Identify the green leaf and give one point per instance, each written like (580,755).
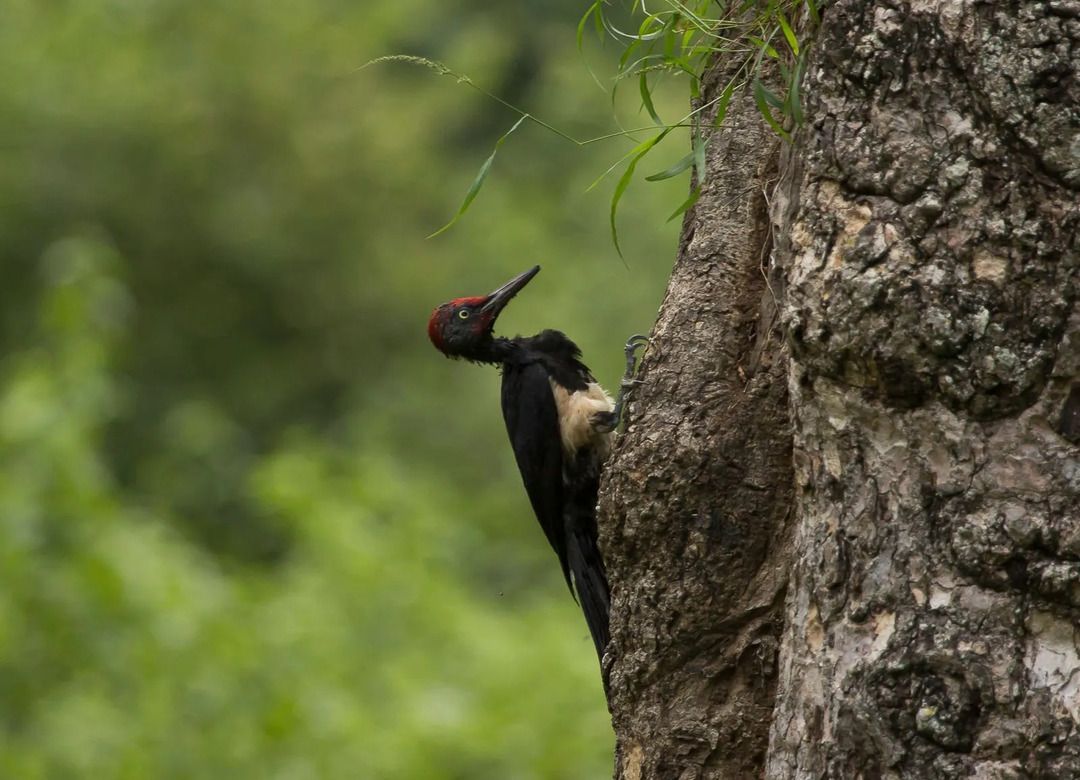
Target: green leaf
(763,46)
(700,143)
(795,93)
(582,23)
(687,204)
(760,93)
(478,182)
(670,40)
(686,44)
(603,175)
(646,98)
(792,41)
(725,98)
(812,7)
(674,170)
(769,96)
(624,58)
(639,151)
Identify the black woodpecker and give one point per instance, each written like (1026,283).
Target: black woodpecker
(560,423)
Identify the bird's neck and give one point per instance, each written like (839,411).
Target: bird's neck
(493,350)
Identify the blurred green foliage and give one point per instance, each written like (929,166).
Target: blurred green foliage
(251,523)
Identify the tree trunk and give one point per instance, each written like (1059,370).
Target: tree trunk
(924,266)
(696,510)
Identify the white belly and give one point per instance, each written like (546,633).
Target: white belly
(576,418)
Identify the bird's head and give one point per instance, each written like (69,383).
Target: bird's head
(463,327)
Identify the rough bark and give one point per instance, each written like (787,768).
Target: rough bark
(925,267)
(696,507)
(930,305)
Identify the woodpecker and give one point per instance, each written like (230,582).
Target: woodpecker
(559,420)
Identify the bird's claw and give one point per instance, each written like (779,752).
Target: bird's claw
(628,383)
(633,344)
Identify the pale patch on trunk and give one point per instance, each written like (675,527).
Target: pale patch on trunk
(1053,661)
(989,266)
(576,412)
(635,756)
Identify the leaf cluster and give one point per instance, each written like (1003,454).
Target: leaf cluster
(682,39)
(677,39)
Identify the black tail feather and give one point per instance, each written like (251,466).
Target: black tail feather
(590,581)
(581,482)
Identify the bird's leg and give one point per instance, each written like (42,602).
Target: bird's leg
(628,382)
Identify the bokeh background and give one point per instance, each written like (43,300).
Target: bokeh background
(251,524)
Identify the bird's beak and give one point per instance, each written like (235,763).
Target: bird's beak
(495,302)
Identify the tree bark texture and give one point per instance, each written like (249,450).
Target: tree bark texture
(696,507)
(919,244)
(931,311)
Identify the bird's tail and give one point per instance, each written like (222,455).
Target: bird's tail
(590,581)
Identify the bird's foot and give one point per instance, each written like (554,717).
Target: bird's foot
(628,383)
(633,344)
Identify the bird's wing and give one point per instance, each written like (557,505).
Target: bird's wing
(532,421)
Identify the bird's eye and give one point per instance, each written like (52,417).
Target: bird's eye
(464,314)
